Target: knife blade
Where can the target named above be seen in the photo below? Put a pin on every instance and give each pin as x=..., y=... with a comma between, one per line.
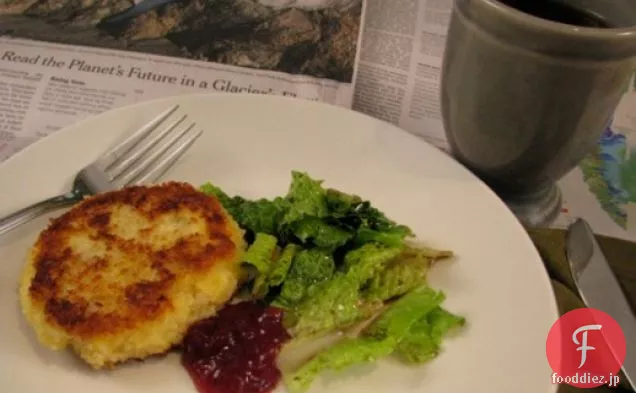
x=598, y=287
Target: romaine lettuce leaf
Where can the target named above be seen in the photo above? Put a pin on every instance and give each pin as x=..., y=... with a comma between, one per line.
x=345, y=353
x=313, y=230
x=260, y=215
x=369, y=223
x=280, y=269
x=333, y=305
x=326, y=218
x=306, y=197
x=308, y=269
x=423, y=341
x=397, y=320
x=341, y=204
x=225, y=200
x=338, y=303
x=405, y=272
x=364, y=262
x=261, y=254
x=379, y=340
x=395, y=280
x=418, y=346
x=391, y=236
x=442, y=322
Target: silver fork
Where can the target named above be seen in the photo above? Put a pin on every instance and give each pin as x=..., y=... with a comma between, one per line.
x=128, y=163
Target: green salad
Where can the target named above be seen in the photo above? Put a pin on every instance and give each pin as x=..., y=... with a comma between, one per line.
x=332, y=261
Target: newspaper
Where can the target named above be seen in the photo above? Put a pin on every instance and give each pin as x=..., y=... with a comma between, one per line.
x=377, y=57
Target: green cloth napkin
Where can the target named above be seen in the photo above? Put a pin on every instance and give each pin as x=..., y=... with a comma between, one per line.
x=621, y=256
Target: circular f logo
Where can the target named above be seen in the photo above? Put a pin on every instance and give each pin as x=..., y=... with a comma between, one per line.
x=586, y=348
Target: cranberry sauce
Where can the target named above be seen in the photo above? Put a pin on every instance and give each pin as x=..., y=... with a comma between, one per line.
x=236, y=350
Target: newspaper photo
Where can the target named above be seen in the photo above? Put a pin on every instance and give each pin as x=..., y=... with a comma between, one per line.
x=61, y=61
x=315, y=38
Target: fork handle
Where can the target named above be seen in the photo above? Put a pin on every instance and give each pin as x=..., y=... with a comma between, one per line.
x=22, y=216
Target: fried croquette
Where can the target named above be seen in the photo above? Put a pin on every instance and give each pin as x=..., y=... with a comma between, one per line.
x=123, y=274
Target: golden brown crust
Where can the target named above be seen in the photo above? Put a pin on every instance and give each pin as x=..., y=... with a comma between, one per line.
x=71, y=285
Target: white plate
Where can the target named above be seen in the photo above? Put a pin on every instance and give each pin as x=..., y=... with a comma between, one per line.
x=250, y=146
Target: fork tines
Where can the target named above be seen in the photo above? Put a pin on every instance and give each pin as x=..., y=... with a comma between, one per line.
x=145, y=155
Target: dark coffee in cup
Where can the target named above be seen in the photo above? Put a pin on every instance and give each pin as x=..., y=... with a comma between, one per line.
x=558, y=11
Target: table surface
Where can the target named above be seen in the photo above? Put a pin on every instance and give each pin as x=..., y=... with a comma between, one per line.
x=621, y=256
